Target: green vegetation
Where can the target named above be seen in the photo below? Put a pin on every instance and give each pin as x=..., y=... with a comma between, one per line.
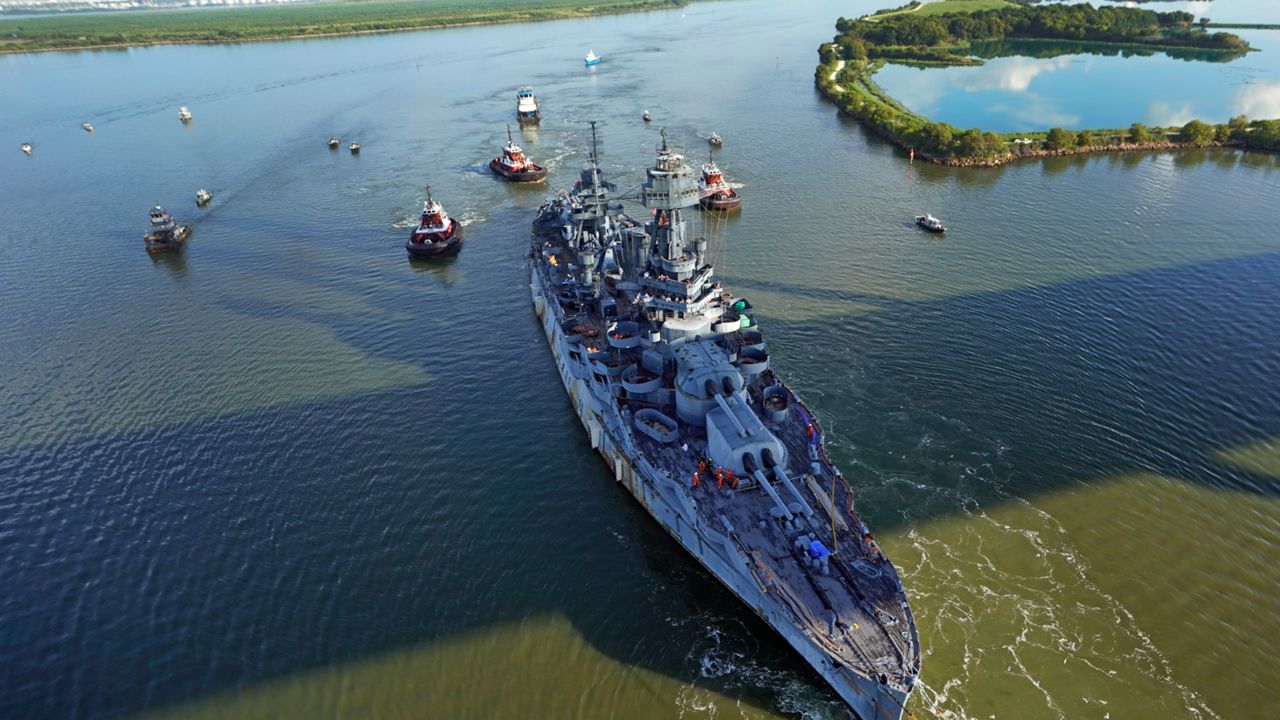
x=72, y=31
x=909, y=36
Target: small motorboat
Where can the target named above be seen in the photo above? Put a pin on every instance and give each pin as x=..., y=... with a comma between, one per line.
x=930, y=223
x=647, y=116
x=203, y=197
x=355, y=148
x=88, y=127
x=515, y=166
x=437, y=234
x=592, y=58
x=184, y=114
x=334, y=143
x=715, y=140
x=527, y=106
x=26, y=148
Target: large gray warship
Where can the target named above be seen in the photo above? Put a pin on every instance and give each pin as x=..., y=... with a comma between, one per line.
x=671, y=378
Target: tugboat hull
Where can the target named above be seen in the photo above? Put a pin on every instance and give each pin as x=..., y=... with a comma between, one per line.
x=732, y=202
x=538, y=174
x=529, y=118
x=439, y=248
x=160, y=243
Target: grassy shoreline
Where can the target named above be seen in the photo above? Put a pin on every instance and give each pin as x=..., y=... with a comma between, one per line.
x=863, y=46
x=293, y=22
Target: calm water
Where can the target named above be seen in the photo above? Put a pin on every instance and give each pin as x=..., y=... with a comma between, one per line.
x=291, y=474
x=1081, y=87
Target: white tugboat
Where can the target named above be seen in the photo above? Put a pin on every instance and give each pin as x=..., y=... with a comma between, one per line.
x=671, y=378
x=203, y=197
x=88, y=127
x=184, y=114
x=527, y=106
x=164, y=233
x=26, y=148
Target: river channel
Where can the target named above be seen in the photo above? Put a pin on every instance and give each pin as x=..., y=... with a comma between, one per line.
x=289, y=473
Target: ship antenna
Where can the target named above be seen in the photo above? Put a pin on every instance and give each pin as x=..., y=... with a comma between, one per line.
x=429, y=200
x=509, y=140
x=595, y=145
x=663, y=132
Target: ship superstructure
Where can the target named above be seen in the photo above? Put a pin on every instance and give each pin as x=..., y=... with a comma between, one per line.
x=527, y=106
x=670, y=376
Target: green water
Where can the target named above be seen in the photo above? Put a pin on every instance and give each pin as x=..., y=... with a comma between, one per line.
x=291, y=474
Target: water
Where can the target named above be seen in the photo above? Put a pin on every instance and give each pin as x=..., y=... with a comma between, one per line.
x=1089, y=85
x=291, y=474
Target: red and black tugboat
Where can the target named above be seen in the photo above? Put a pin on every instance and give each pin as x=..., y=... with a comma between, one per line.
x=437, y=234
x=515, y=166
x=717, y=193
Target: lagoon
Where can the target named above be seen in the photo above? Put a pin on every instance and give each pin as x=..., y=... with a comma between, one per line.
x=1093, y=86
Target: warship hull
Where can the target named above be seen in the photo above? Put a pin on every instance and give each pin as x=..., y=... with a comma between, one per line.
x=654, y=489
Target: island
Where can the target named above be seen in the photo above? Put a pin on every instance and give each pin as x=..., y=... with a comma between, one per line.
x=128, y=28
x=944, y=33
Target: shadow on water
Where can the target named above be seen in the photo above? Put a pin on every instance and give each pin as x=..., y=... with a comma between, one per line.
x=1154, y=370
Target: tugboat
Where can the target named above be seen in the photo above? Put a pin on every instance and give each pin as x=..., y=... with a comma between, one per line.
x=515, y=166
x=165, y=234
x=334, y=143
x=715, y=140
x=26, y=148
x=717, y=194
x=355, y=148
x=930, y=223
x=184, y=114
x=88, y=127
x=671, y=378
x=592, y=58
x=647, y=116
x=203, y=197
x=527, y=106
x=437, y=234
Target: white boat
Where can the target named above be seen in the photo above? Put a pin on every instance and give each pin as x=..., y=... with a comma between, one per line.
x=334, y=143
x=355, y=147
x=88, y=127
x=184, y=114
x=714, y=139
x=930, y=223
x=647, y=116
x=527, y=106
x=592, y=58
x=203, y=197
x=26, y=148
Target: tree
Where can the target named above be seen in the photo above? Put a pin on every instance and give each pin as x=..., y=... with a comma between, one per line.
x=1196, y=132
x=1084, y=138
x=1138, y=133
x=1238, y=124
x=1059, y=139
x=1222, y=133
